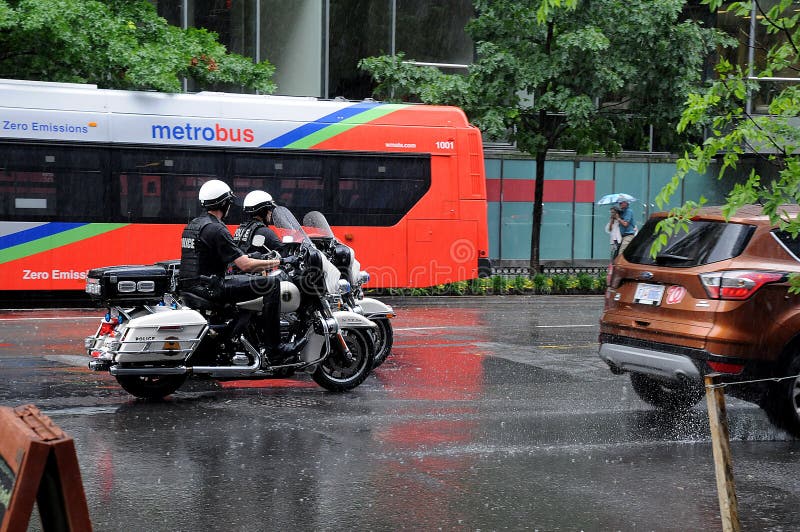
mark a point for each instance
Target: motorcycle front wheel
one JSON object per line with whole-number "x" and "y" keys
{"x": 337, "y": 373}
{"x": 151, "y": 387}
{"x": 384, "y": 338}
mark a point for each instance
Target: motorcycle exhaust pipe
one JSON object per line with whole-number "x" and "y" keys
{"x": 145, "y": 372}
{"x": 227, "y": 371}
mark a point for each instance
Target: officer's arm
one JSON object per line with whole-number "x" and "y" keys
{"x": 249, "y": 264}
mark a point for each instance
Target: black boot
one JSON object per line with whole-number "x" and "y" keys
{"x": 285, "y": 353}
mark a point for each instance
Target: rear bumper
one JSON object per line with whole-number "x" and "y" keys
{"x": 672, "y": 362}
{"x": 621, "y": 358}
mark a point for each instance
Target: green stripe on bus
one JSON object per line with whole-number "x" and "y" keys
{"x": 51, "y": 242}
{"x": 340, "y": 127}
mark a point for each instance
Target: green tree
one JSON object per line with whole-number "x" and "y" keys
{"x": 545, "y": 70}
{"x": 774, "y": 137}
{"x": 119, "y": 44}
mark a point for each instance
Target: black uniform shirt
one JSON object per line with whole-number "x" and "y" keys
{"x": 271, "y": 240}
{"x": 222, "y": 249}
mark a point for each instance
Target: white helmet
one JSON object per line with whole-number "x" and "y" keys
{"x": 215, "y": 194}
{"x": 257, "y": 200}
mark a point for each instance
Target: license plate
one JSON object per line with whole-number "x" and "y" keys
{"x": 648, "y": 294}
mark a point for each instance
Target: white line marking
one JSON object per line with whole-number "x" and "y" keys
{"x": 424, "y": 328}
{"x": 558, "y": 326}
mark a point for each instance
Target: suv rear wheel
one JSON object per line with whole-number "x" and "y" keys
{"x": 666, "y": 395}
{"x": 783, "y": 400}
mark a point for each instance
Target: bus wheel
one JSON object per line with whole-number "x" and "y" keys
{"x": 152, "y": 387}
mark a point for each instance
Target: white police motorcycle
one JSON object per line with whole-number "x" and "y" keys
{"x": 152, "y": 341}
{"x": 343, "y": 257}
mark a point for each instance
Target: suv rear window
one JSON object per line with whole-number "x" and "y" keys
{"x": 791, "y": 243}
{"x": 706, "y": 242}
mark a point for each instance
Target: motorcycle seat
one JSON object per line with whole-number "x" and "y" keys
{"x": 198, "y": 303}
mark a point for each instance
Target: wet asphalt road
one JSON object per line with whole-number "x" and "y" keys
{"x": 491, "y": 414}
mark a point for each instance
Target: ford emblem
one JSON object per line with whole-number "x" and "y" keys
{"x": 646, "y": 276}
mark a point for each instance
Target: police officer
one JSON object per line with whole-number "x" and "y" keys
{"x": 206, "y": 250}
{"x": 254, "y": 235}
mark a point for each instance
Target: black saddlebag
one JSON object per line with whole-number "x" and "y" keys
{"x": 128, "y": 284}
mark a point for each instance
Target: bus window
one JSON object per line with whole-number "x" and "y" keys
{"x": 379, "y": 190}
{"x": 293, "y": 180}
{"x": 51, "y": 183}
{"x": 160, "y": 186}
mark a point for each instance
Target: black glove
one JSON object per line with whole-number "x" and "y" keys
{"x": 256, "y": 255}
{"x": 290, "y": 261}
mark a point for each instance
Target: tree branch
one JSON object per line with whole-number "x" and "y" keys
{"x": 11, "y": 54}
{"x": 782, "y": 28}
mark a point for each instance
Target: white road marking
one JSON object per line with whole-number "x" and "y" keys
{"x": 424, "y": 328}
{"x": 561, "y": 326}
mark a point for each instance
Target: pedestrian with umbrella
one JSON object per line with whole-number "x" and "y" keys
{"x": 623, "y": 216}
{"x": 614, "y": 236}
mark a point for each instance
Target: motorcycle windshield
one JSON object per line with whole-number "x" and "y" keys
{"x": 287, "y": 227}
{"x": 316, "y": 225}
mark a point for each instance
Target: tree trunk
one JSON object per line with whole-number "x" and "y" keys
{"x": 541, "y": 155}
{"x": 536, "y": 226}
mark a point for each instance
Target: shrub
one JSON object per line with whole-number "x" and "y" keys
{"x": 541, "y": 283}
{"x": 600, "y": 282}
{"x": 498, "y": 284}
{"x": 521, "y": 284}
{"x": 586, "y": 282}
{"x": 572, "y": 283}
{"x": 458, "y": 288}
{"x": 559, "y": 283}
{"x": 474, "y": 287}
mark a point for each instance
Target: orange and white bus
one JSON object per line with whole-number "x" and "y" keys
{"x": 93, "y": 177}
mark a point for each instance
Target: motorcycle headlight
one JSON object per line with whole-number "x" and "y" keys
{"x": 344, "y": 286}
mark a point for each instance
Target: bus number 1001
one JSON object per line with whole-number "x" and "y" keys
{"x": 445, "y": 144}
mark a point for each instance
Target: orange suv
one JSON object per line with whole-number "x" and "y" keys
{"x": 714, "y": 299}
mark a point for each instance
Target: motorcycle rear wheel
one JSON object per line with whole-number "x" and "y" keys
{"x": 338, "y": 374}
{"x": 152, "y": 387}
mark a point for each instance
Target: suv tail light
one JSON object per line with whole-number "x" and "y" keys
{"x": 726, "y": 367}
{"x": 738, "y": 284}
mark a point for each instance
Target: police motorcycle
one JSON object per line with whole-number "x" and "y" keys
{"x": 343, "y": 257}
{"x": 152, "y": 338}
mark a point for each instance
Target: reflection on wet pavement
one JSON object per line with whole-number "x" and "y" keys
{"x": 488, "y": 415}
